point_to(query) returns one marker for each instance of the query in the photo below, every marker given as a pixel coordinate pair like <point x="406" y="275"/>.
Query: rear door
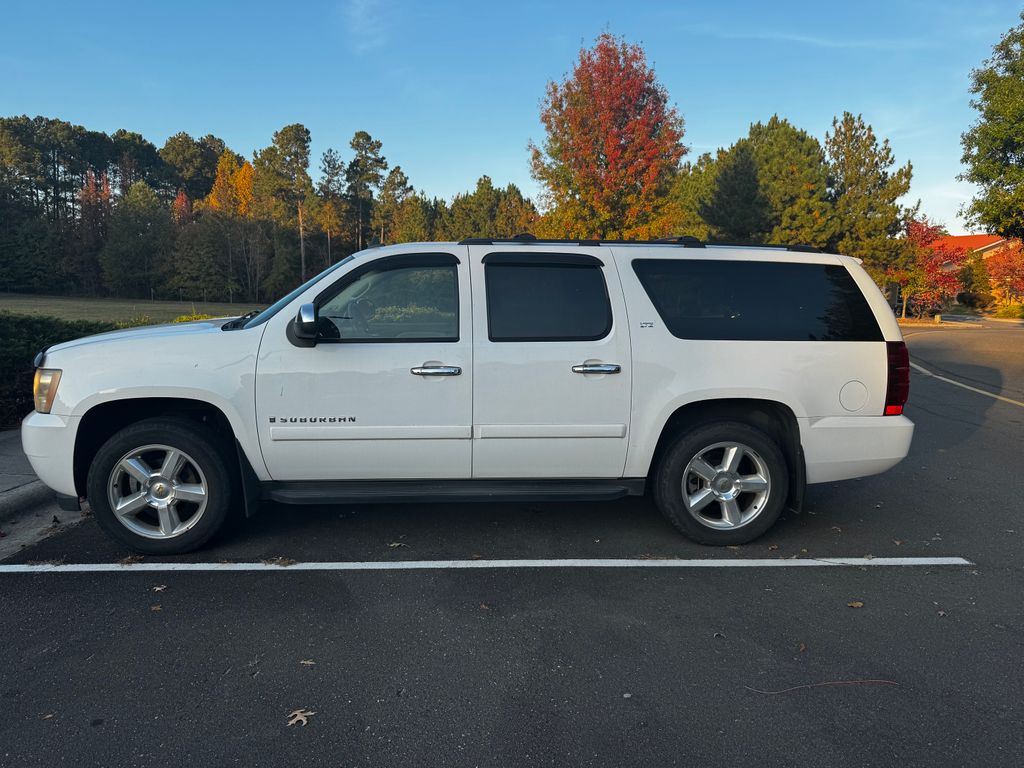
<point x="551" y="371"/>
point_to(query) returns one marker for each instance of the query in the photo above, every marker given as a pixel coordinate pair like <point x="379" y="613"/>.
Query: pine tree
<point x="865" y="195"/>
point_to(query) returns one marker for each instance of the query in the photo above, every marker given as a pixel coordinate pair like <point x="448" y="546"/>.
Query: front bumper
<point x="49" y="443"/>
<point x="844" y="447"/>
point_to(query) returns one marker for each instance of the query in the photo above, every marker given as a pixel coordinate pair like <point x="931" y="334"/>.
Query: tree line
<point x="88" y="213"/>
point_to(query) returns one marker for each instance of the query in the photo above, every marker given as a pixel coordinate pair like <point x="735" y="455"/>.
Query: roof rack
<point x="686" y="241"/>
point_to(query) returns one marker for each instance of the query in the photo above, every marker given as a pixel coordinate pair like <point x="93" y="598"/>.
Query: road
<point x="562" y="666"/>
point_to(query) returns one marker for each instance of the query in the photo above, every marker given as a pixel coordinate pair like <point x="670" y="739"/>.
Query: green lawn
<point x="71" y="308"/>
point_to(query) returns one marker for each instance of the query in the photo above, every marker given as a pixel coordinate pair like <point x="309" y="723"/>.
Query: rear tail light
<point x="898" y="388"/>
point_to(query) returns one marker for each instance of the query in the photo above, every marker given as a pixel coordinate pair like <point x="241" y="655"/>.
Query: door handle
<point x="436" y="370"/>
<point x="597" y="368"/>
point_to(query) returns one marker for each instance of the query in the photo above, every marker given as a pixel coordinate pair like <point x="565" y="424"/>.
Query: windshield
<point x="274" y="308"/>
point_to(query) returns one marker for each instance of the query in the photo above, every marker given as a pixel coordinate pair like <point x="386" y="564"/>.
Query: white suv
<point x="722" y="379"/>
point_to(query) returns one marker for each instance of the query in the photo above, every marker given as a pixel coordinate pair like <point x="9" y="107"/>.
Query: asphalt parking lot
<point x="656" y="665"/>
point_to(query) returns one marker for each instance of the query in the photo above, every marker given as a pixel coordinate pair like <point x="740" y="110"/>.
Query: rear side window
<point x="757" y="300"/>
<point x="546" y="302"/>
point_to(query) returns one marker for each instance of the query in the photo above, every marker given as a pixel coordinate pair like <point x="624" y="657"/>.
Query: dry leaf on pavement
<point x="856" y="604"/>
<point x="300" y="716"/>
<point x="307" y="662"/>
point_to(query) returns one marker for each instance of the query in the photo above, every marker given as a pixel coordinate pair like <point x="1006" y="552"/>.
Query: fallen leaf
<point x="773" y="547"/>
<point x="627" y="695"/>
<point x="719" y="634"/>
<point x="942" y="613"/>
<point x="897" y="542"/>
<point x="486" y="606"/>
<point x="47" y="717"/>
<point x="475" y="556"/>
<point x="283" y="562"/>
<point x="801" y="648"/>
<point x="159" y="587"/>
<point x="307" y="662"/>
<point x="130" y="560"/>
<point x="397" y="544"/>
<point x="856" y="604"/>
<point x="837" y="529"/>
<point x="300" y="716"/>
<point x="732" y="546"/>
<point x="155" y="608"/>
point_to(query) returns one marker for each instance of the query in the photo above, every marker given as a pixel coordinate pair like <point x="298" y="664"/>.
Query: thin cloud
<point x="815" y="41"/>
<point x="366" y="24"/>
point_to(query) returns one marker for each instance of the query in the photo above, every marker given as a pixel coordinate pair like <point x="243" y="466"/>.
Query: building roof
<point x="967" y="242"/>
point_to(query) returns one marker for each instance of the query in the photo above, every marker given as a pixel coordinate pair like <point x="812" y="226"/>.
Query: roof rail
<point x="686" y="241"/>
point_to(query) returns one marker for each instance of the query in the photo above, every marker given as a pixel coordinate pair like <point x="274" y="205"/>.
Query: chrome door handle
<point x="436" y="370"/>
<point x="597" y="368"/>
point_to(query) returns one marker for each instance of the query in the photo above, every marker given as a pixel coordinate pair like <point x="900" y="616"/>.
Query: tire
<point x="724" y="505"/>
<point x="171" y="481"/>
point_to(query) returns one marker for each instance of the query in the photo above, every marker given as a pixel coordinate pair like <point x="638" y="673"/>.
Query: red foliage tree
<point x="181" y="210"/>
<point x="612" y="144"/>
<point x="932" y="276"/>
<point x="1006" y="273"/>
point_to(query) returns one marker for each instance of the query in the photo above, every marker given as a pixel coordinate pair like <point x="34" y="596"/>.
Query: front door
<point x="386" y="392"/>
<point x="551" y="363"/>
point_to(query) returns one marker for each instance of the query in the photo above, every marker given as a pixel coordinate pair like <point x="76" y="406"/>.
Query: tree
<point x="737" y="210"/>
<point x="865" y="194"/>
<point x="793" y="179"/>
<point x="932" y="276"/>
<point x="82" y="261"/>
<point x="283" y="168"/>
<point x="137" y="160"/>
<point x="364" y="173"/>
<point x="223" y="196"/>
<point x="331" y="190"/>
<point x="192" y="164"/>
<point x="393" y="192"/>
<point x="692" y="187"/>
<point x="413" y="220"/>
<point x="994" y="145"/>
<point x="1006" y="273"/>
<point x="515" y="213"/>
<point x="613" y="143"/>
<point x="141" y="235"/>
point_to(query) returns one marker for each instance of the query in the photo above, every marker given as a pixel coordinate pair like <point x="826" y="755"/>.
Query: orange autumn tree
<point x="613" y="144"/>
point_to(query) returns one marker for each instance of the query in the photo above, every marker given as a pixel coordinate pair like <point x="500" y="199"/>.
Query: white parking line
<point x="444" y="565"/>
<point x="926" y="372"/>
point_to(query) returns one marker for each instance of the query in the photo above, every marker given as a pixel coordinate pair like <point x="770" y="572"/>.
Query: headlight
<point x="44" y="388"/>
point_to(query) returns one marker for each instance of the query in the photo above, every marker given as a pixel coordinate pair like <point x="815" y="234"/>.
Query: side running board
<point x="398" y="491"/>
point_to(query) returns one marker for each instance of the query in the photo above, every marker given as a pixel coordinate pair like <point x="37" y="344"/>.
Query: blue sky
<point x="453" y="88"/>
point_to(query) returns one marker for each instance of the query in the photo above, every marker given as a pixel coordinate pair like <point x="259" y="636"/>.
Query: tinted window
<point x="757" y="300"/>
<point x="415" y="303"/>
<point x="546" y="302"/>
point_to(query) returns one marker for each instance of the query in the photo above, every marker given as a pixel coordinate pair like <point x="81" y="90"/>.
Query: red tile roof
<point x="967" y="242"/>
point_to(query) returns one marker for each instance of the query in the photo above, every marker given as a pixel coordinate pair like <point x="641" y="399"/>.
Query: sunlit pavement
<point x="839" y="665"/>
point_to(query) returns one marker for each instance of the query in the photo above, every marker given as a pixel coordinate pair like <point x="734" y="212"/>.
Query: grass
<point x="113" y="310"/>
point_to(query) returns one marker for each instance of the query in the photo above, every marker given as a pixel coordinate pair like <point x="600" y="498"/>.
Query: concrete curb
<point x="24" y="498"/>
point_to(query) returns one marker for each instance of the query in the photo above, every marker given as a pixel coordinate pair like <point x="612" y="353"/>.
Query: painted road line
<point x="444" y="565"/>
<point x="955" y="383"/>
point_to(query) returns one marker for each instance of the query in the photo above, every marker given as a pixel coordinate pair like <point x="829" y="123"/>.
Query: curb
<point x="24" y="498"/>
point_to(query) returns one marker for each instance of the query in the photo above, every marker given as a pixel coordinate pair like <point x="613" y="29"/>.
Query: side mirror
<point x="304" y="326"/>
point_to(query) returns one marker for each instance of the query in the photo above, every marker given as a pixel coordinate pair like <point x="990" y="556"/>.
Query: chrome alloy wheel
<point x="726" y="485"/>
<point x="157" y="491"/>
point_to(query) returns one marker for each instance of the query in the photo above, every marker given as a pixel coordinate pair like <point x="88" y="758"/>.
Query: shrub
<point x="21" y="337"/>
<point x="192" y="318"/>
<point x="1014" y="311"/>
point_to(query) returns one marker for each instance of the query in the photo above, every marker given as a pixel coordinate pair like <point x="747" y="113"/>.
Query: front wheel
<point x="160" y="486"/>
<point x="722" y="484"/>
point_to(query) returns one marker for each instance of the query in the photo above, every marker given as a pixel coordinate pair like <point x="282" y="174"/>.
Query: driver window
<point x="403" y="304"/>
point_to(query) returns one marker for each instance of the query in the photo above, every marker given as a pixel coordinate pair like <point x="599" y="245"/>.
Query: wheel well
<point x="773" y="418"/>
<point x="102" y="421"/>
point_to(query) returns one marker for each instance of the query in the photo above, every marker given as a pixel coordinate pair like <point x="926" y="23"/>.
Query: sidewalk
<point x="19" y="488"/>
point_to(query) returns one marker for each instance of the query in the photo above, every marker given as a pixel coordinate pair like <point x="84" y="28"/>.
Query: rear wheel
<point x="722" y="484"/>
<point x="161" y="486"/>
